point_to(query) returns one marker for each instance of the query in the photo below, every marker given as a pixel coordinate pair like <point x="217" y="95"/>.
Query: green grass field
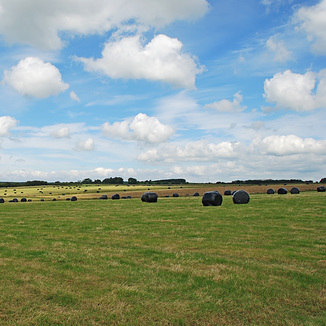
<point x="174" y="262"/>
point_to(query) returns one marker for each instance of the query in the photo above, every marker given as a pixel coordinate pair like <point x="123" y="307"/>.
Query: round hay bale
<point x="270" y="191"/>
<point x="15" y="200"/>
<point x="104" y="197"/>
<point x="54" y="199"/>
<point x="149" y="197"/>
<point x="115" y="196"/>
<point x="23" y="200"/>
<point x="212" y="198"/>
<point x="68" y="198"/>
<point x="282" y="191"/>
<point x="196" y="194"/>
<point x="29" y="200"/>
<point x="2" y="200"/>
<point x="73" y="198"/>
<point x="42" y="199"/>
<point x="321" y="189"/>
<point x="128" y="197"/>
<point x="241" y="197"/>
<point x="227" y="192"/>
<point x="175" y="195"/>
<point x="295" y="191"/>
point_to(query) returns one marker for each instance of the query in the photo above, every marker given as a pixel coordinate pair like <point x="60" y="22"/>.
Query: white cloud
<point x="193" y="151"/>
<point x="7" y="123"/>
<point x="161" y="59"/>
<point x="228" y="106"/>
<point x="141" y="128"/>
<point x="63" y="132"/>
<point x="86" y="145"/>
<point x="281" y="53"/>
<point x="295" y="91"/>
<point x="33" y="77"/>
<point x="40" y="23"/>
<point x="74" y="96"/>
<point x="313" y="21"/>
<point x="291" y="144"/>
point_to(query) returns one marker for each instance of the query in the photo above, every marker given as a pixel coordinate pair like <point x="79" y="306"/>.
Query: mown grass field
<point x="174" y="262"/>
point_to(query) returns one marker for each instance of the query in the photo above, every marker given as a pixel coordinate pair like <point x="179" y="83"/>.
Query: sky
<point x="205" y="90"/>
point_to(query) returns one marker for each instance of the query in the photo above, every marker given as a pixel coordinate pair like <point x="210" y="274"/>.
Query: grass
<point x="174" y="262"/>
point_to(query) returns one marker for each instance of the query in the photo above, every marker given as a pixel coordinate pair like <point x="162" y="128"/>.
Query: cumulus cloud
<point x="63" y="132"/>
<point x="161" y="59"/>
<point x="296" y="91"/>
<point x="313" y="21"/>
<point x="193" y="151"/>
<point x="86" y="145"/>
<point x="7" y="123"/>
<point x="20" y="20"/>
<point x="34" y="77"/>
<point x="142" y="128"/>
<point x="291" y="144"/>
<point x="227" y="105"/>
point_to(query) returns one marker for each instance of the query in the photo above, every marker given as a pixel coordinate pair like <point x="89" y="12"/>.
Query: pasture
<point x="174" y="262"/>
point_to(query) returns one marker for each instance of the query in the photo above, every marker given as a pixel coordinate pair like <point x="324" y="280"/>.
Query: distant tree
<point x="87" y="181"/>
<point x="97" y="181"/>
<point x="115" y="180"/>
<point x="132" y="181"/>
<point x="323" y="180"/>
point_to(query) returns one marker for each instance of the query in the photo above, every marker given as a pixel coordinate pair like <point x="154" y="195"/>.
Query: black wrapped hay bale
<point x="282" y="191"/>
<point x="149" y="197"/>
<point x="270" y="191"/>
<point x="295" y="190"/>
<point x="321" y="189"/>
<point x="15" y="200"/>
<point x="2" y="200"/>
<point x="116" y="196"/>
<point x="227" y="192"/>
<point x="104" y="197"/>
<point x="73" y="198"/>
<point x="212" y="198"/>
<point x="175" y="195"/>
<point x="23" y="200"/>
<point x="241" y="197"/>
<point x="196" y="194"/>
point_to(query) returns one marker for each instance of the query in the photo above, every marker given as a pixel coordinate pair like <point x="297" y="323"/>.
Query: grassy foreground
<point x="174" y="262"/>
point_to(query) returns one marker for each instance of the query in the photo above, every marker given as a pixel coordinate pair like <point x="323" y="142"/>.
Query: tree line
<point x="131" y="180"/>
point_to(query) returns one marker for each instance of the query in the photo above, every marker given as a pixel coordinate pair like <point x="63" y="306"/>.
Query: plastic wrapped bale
<point x="149" y="197"/>
<point x="270" y="191"/>
<point x="196" y="194"/>
<point x="212" y="198"/>
<point x="295" y="191"/>
<point x="321" y="189"/>
<point x="175" y="195"/>
<point x="73" y="198"/>
<point x="115" y="196"/>
<point x="104" y="197"/>
<point x="282" y="191"/>
<point x="2" y="200"/>
<point x="241" y="197"/>
<point x="227" y="192"/>
<point x="23" y="200"/>
<point x="15" y="200"/>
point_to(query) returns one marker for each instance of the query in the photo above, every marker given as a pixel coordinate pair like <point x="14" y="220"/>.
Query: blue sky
<point x="196" y="89"/>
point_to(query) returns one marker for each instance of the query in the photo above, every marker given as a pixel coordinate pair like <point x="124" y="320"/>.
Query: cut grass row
<point x="174" y="262"/>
